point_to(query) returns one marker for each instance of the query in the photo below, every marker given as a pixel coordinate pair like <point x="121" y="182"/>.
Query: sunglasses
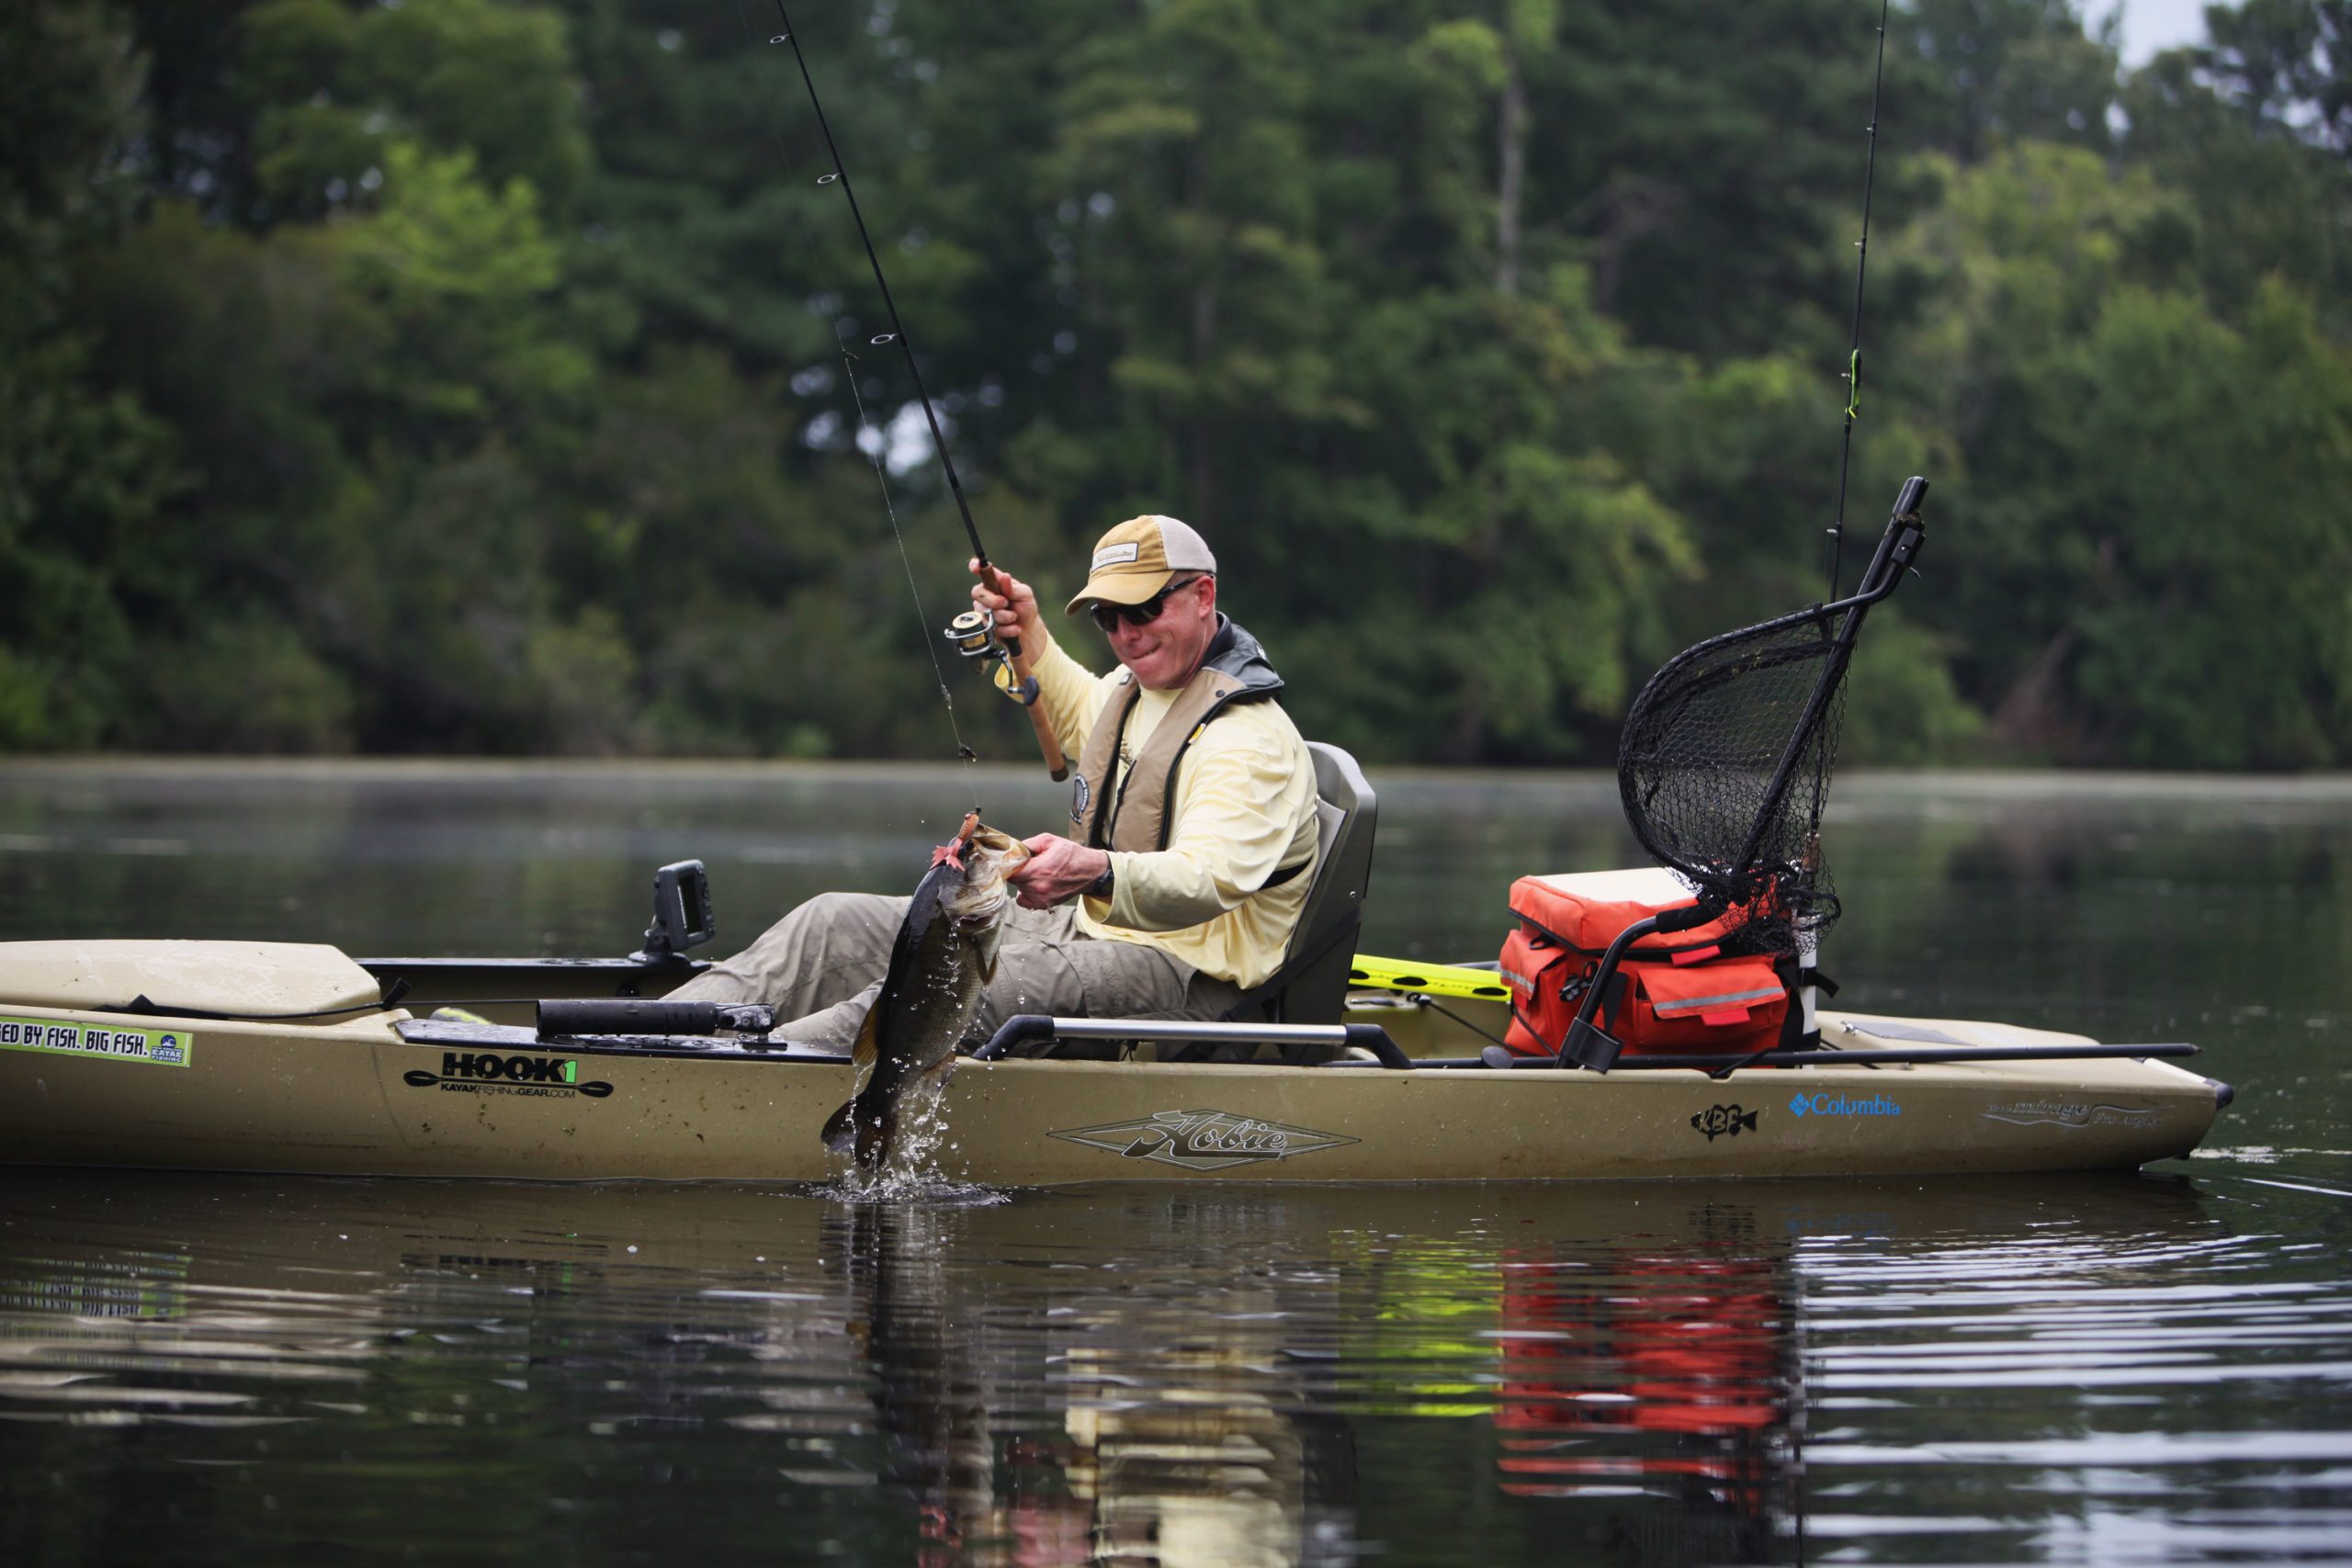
<point x="1108" y="617"/>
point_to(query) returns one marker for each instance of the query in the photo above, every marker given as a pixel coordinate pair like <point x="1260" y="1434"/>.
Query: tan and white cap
<point x="1139" y="557"/>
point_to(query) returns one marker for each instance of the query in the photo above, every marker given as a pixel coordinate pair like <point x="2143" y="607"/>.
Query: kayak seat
<point x="1311" y="986"/>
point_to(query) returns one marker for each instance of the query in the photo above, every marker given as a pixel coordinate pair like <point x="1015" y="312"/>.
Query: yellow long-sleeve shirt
<point x="1243" y="806"/>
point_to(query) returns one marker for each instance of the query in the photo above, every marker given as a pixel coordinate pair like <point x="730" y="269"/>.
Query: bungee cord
<point x="1854" y="352"/>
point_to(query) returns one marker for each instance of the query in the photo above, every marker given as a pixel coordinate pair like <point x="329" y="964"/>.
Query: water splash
<point x="909" y="1172"/>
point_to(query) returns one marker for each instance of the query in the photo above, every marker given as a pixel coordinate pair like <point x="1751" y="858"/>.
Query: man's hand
<point x="1011" y="602"/>
<point x="1057" y="869"/>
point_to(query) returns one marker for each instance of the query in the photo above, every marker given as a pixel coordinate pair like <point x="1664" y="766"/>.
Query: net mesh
<point x="1703" y="747"/>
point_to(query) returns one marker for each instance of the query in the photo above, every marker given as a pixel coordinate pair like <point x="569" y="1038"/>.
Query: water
<point x="2120" y="1370"/>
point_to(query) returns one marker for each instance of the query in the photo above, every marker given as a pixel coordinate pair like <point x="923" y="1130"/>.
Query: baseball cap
<point x="1139" y="557"/>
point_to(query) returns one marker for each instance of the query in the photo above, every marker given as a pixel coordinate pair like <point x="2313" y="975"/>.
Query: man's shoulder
<point x="1258" y="726"/>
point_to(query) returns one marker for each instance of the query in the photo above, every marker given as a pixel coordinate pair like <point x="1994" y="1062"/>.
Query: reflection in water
<point x="621" y="1373"/>
<point x="1140" y="1429"/>
<point x="225" y="1369"/>
<point x="1668" y="1368"/>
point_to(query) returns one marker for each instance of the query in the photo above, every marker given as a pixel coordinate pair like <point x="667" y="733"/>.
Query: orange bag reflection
<point x="1682" y="1365"/>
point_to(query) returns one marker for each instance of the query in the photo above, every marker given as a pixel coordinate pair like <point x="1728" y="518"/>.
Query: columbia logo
<point x="1842" y="1105"/>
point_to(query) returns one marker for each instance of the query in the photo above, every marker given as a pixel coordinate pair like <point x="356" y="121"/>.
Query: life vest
<point x="1135" y="817"/>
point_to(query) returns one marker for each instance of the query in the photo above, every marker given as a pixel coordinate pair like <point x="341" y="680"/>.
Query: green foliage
<point x="496" y="375"/>
<point x="335" y="85"/>
<point x="2153" y="569"/>
<point x="82" y="466"/>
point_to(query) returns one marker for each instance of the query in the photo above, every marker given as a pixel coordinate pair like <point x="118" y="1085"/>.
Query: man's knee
<point x="829" y="909"/>
<point x="834" y="918"/>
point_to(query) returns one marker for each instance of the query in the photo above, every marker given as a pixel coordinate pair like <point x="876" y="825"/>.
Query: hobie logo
<point x="1204" y="1140"/>
<point x="1842" y="1105"/>
<point x="485" y="1071"/>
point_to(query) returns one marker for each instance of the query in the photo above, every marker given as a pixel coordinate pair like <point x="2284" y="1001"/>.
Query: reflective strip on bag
<point x="1724" y="999"/>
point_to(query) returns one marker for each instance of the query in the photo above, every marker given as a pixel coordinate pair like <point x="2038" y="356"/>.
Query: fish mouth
<point x="987" y="854"/>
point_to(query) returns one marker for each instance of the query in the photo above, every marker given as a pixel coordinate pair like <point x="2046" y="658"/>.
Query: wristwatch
<point x="1101" y="887"/>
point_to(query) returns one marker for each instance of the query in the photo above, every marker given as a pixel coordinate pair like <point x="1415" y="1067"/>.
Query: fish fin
<point x="840" y="1133"/>
<point x="867" y="1047"/>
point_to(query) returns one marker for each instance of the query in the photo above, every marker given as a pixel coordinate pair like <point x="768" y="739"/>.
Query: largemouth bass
<point x="943" y="957"/>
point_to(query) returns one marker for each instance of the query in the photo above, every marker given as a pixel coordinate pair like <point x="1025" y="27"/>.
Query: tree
<point x="2124" y="591"/>
<point x="78" y="463"/>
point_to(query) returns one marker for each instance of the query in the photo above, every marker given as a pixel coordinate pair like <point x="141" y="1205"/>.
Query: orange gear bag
<point x="1674" y="993"/>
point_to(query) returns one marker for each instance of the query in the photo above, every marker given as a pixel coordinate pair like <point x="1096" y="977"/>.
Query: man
<point x="1191" y="816"/>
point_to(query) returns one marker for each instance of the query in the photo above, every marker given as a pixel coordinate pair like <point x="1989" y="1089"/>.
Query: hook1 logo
<point x="485" y="1071"/>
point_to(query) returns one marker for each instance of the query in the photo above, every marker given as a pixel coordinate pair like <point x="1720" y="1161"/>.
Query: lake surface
<point x="2122" y="1369"/>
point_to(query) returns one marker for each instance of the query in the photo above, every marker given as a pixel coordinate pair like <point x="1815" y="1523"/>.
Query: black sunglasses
<point x="1108" y="617"/>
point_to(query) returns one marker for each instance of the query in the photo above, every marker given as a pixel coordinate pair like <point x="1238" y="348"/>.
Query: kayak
<point x="289" y="1057"/>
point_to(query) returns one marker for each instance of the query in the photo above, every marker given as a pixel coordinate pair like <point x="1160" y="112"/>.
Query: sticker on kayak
<point x="1203" y="1140"/>
<point x="163" y="1047"/>
<point x="487" y="1072"/>
<point x="1844" y="1105"/>
<point x="1724" y="1121"/>
<point x="2072" y="1113"/>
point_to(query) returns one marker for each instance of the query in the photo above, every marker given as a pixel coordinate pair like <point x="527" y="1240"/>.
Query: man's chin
<point x="1145" y="671"/>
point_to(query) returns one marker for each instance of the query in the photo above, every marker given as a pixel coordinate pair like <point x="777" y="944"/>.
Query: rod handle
<point x="1057" y="765"/>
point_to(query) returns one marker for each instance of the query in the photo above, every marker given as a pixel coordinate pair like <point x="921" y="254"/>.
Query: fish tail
<point x="840" y="1128"/>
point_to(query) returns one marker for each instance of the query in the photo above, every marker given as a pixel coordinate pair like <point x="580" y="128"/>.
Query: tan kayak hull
<point x="352" y="1097"/>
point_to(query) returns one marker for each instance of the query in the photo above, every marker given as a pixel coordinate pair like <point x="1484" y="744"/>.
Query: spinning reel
<point x="973" y="635"/>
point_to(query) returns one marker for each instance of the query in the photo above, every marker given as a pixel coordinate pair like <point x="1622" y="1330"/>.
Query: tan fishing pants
<point x="822" y="965"/>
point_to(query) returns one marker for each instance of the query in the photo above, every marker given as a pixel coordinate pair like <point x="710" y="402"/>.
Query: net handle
<point x="1897" y="548"/>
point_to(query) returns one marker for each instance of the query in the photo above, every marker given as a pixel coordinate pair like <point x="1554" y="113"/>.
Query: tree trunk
<point x="1203" y="475"/>
<point x="1511" y="135"/>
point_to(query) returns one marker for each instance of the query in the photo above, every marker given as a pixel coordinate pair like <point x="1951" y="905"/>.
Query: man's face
<point x="1163" y="652"/>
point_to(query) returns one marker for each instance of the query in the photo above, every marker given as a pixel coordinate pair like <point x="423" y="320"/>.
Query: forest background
<point x="460" y="376"/>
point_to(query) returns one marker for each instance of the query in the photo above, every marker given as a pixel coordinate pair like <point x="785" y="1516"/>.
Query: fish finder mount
<point x="682" y="913"/>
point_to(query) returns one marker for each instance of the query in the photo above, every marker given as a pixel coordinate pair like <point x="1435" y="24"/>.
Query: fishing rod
<point x="1854" y="352"/>
<point x="971" y="633"/>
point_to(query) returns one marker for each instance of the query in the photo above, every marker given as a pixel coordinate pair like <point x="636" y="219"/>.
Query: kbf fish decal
<point x="1724" y="1121"/>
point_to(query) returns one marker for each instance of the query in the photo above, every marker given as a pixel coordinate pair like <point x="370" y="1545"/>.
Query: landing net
<point x="1724" y="768"/>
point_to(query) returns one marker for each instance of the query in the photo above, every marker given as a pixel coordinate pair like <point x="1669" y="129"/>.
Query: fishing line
<point x="1008" y="646"/>
<point x="1854" y="352"/>
<point x="864" y="425"/>
<point x="923" y="616"/>
<point x="897" y="332"/>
